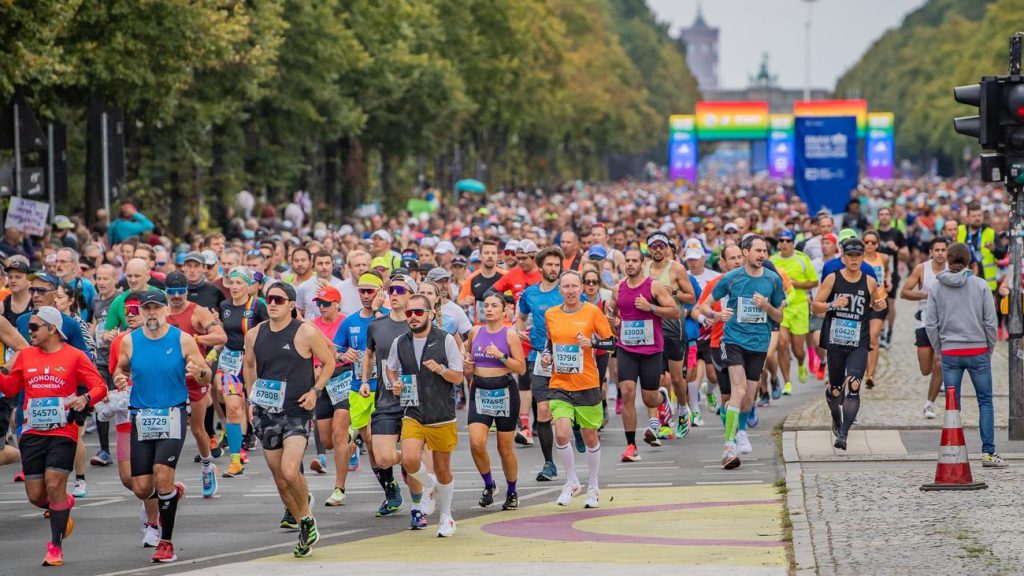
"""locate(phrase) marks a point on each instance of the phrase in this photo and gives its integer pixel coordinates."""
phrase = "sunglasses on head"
(277, 299)
(417, 312)
(39, 290)
(177, 291)
(323, 303)
(367, 291)
(398, 290)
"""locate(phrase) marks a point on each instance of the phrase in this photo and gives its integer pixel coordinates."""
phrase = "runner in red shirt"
(526, 274)
(50, 373)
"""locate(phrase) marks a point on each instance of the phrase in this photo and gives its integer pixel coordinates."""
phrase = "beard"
(153, 324)
(421, 329)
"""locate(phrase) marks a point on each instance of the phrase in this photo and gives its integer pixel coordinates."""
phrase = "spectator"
(131, 223)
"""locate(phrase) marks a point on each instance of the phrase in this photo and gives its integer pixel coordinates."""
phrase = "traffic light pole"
(1015, 322)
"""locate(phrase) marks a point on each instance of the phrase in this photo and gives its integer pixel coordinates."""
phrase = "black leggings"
(844, 365)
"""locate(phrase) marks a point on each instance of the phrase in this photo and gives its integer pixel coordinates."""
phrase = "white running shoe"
(428, 504)
(81, 489)
(150, 536)
(743, 443)
(929, 411)
(593, 498)
(696, 419)
(446, 526)
(568, 491)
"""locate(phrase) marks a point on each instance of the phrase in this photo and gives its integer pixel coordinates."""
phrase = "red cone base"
(953, 470)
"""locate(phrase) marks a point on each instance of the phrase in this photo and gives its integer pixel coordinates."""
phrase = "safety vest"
(980, 245)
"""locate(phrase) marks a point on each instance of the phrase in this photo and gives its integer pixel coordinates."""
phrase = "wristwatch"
(504, 358)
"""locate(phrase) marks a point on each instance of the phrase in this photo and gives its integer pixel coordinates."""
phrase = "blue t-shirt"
(836, 264)
(691, 327)
(352, 334)
(71, 328)
(750, 327)
(536, 302)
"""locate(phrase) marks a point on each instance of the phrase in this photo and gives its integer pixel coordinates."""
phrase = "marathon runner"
(795, 323)
(752, 295)
(730, 258)
(880, 263)
(494, 354)
(239, 314)
(574, 329)
(282, 392)
(892, 243)
(205, 328)
(50, 372)
(424, 365)
(638, 305)
(844, 298)
(916, 289)
(158, 358)
(595, 293)
(695, 256)
(480, 281)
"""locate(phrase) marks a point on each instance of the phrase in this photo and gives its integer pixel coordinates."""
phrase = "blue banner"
(780, 146)
(826, 161)
(682, 152)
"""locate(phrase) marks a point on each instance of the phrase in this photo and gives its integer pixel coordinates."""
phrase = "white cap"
(382, 234)
(444, 247)
(527, 246)
(730, 227)
(464, 233)
(345, 230)
(694, 250)
(53, 317)
(512, 245)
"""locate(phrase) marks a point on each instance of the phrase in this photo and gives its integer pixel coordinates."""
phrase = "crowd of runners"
(537, 315)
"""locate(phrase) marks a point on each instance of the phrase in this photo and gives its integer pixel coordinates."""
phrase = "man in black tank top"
(20, 301)
(844, 298)
(282, 391)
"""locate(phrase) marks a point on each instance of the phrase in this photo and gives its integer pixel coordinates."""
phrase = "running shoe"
(593, 498)
(630, 455)
(568, 491)
(210, 482)
(743, 443)
(361, 445)
(869, 383)
(840, 441)
(752, 419)
(730, 460)
(164, 552)
(820, 372)
(801, 372)
(787, 389)
(428, 503)
(548, 473)
(308, 533)
(581, 446)
(353, 461)
(524, 437)
(929, 411)
(319, 464)
(683, 426)
(20, 476)
(102, 458)
(487, 497)
(776, 393)
(234, 470)
(651, 437)
(81, 489)
(712, 402)
(69, 528)
(337, 498)
(417, 521)
(665, 408)
(993, 461)
(288, 521)
(837, 425)
(150, 535)
(763, 400)
(511, 502)
(696, 419)
(54, 555)
(666, 433)
(244, 455)
(392, 501)
(446, 526)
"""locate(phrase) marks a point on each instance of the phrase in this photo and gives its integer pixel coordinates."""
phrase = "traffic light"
(985, 125)
(1012, 117)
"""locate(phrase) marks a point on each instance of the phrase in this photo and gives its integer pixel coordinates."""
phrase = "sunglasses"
(592, 282)
(398, 290)
(32, 326)
(177, 291)
(709, 228)
(323, 303)
(131, 309)
(785, 241)
(417, 312)
(161, 263)
(509, 252)
(732, 231)
(37, 290)
(870, 243)
(657, 246)
(367, 291)
(277, 300)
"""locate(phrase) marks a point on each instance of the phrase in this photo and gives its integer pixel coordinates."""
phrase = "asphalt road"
(240, 523)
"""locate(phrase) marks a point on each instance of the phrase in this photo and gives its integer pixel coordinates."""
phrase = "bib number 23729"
(159, 423)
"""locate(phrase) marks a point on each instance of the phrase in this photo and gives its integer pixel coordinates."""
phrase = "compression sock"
(741, 422)
(851, 405)
(378, 473)
(316, 440)
(732, 418)
(488, 479)
(234, 431)
(168, 510)
(568, 463)
(631, 438)
(444, 497)
(593, 465)
(208, 422)
(103, 431)
(547, 438)
(510, 487)
(655, 424)
(59, 513)
(693, 391)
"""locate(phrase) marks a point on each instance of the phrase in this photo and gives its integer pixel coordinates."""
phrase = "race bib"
(540, 370)
(269, 394)
(845, 332)
(158, 424)
(386, 380)
(568, 359)
(46, 413)
(638, 332)
(339, 386)
(749, 313)
(357, 368)
(493, 402)
(410, 391)
(230, 362)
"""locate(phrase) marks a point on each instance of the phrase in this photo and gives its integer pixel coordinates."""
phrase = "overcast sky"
(841, 31)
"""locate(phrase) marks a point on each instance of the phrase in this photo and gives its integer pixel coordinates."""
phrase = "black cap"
(153, 297)
(288, 290)
(853, 246)
(176, 279)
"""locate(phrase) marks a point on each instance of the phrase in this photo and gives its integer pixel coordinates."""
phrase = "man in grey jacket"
(960, 318)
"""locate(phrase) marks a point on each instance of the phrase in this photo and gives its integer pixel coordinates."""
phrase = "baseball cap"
(445, 247)
(597, 253)
(194, 257)
(288, 290)
(382, 234)
(694, 250)
(45, 277)
(18, 263)
(209, 257)
(853, 246)
(787, 234)
(460, 260)
(328, 294)
(438, 274)
(511, 246)
(846, 233)
(474, 257)
(153, 297)
(176, 280)
(831, 238)
(63, 222)
(53, 317)
(381, 262)
(527, 247)
(730, 227)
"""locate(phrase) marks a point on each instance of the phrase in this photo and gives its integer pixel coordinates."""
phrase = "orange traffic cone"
(953, 471)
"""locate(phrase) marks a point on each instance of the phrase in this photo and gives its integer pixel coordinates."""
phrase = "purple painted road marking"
(560, 527)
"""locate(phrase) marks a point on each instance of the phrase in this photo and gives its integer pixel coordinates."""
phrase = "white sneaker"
(743, 443)
(81, 489)
(568, 491)
(446, 526)
(428, 504)
(150, 536)
(929, 411)
(593, 498)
